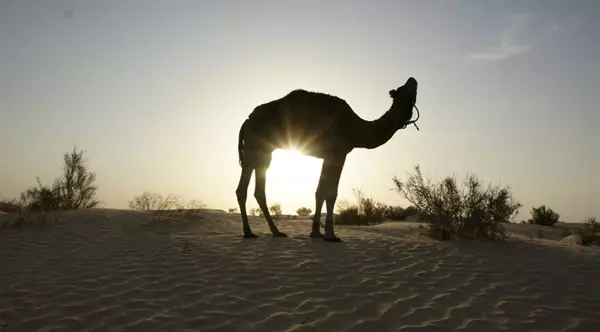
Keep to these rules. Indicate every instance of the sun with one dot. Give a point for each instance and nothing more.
(292, 174)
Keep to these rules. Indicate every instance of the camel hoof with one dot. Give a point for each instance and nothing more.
(279, 234)
(331, 238)
(250, 236)
(316, 235)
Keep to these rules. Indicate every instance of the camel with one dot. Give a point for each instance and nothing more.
(318, 125)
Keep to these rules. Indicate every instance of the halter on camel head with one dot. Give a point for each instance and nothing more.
(404, 97)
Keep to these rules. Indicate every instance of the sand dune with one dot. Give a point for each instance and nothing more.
(109, 270)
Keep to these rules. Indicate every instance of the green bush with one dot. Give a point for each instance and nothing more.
(474, 212)
(544, 216)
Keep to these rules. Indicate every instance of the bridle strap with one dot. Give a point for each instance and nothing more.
(413, 122)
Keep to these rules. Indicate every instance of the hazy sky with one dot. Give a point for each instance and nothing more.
(156, 91)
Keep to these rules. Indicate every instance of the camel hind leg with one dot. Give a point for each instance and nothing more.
(259, 191)
(242, 193)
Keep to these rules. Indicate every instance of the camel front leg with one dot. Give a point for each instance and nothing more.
(261, 198)
(328, 188)
(316, 222)
(241, 193)
(319, 200)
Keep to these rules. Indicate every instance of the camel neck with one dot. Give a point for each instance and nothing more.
(377, 132)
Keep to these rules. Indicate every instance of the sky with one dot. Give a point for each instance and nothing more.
(155, 92)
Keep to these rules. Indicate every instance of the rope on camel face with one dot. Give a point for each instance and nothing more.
(413, 122)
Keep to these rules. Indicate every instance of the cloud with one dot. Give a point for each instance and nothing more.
(509, 44)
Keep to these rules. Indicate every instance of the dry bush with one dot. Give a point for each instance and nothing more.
(276, 211)
(74, 189)
(165, 207)
(232, 210)
(24, 215)
(9, 205)
(303, 211)
(472, 212)
(544, 216)
(396, 213)
(590, 232)
(591, 225)
(366, 212)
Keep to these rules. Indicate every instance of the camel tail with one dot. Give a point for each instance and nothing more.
(241, 143)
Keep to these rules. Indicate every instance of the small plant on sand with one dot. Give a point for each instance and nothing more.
(472, 212)
(592, 226)
(590, 232)
(276, 210)
(366, 212)
(192, 208)
(544, 216)
(26, 216)
(165, 207)
(396, 213)
(9, 205)
(303, 212)
(232, 210)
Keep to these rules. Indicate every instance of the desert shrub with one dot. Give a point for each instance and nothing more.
(256, 212)
(396, 213)
(472, 212)
(275, 210)
(589, 232)
(591, 225)
(164, 207)
(544, 216)
(75, 189)
(303, 211)
(366, 212)
(23, 214)
(149, 201)
(9, 205)
(411, 210)
(232, 210)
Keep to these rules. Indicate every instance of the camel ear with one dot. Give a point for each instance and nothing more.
(392, 93)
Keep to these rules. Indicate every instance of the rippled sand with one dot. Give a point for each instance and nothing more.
(109, 270)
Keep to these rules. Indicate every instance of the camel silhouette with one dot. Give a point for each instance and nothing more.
(318, 125)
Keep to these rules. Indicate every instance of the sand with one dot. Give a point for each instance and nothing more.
(109, 270)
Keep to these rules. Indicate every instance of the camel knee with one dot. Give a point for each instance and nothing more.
(260, 196)
(241, 195)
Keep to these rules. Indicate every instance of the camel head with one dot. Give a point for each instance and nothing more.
(404, 98)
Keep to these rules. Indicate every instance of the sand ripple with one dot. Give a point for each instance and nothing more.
(104, 270)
